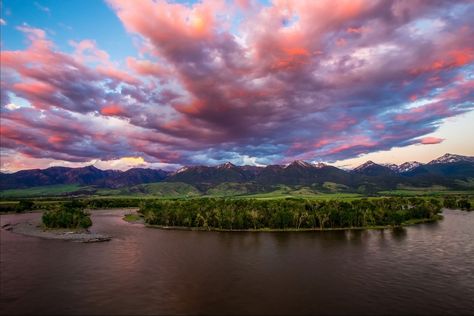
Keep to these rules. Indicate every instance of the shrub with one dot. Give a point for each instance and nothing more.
(464, 204)
(24, 205)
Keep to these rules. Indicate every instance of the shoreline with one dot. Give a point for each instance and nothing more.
(33, 228)
(276, 230)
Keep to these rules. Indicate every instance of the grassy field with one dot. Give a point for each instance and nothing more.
(284, 191)
(429, 191)
(47, 190)
(229, 189)
(159, 189)
(422, 193)
(178, 190)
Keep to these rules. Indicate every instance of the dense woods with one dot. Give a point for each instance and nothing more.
(68, 215)
(210, 213)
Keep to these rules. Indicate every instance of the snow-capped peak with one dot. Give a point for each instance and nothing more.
(320, 165)
(300, 163)
(226, 165)
(408, 166)
(391, 166)
(365, 165)
(450, 158)
(182, 169)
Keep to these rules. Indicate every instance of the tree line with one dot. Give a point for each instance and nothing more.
(457, 202)
(26, 205)
(291, 213)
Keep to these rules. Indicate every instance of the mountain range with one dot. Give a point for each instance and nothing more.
(451, 171)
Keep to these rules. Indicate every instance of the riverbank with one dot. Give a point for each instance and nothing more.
(34, 228)
(271, 230)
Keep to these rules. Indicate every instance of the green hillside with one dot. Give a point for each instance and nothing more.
(41, 191)
(167, 189)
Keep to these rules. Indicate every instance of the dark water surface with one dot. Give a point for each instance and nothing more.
(424, 269)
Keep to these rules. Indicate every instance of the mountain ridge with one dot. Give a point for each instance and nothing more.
(444, 171)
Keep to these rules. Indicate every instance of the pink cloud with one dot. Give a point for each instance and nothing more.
(87, 51)
(36, 88)
(431, 140)
(356, 30)
(112, 110)
(147, 68)
(119, 75)
(56, 139)
(429, 112)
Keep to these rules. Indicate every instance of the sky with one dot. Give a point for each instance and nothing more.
(162, 84)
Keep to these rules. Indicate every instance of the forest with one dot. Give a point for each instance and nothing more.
(242, 214)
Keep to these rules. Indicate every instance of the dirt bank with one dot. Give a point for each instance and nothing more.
(34, 228)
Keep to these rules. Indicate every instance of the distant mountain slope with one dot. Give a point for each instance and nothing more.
(164, 189)
(89, 175)
(458, 169)
(212, 175)
(135, 176)
(451, 158)
(408, 166)
(375, 170)
(302, 173)
(449, 170)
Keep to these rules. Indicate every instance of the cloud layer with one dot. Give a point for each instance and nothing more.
(244, 82)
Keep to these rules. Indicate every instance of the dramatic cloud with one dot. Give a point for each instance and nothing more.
(431, 140)
(245, 82)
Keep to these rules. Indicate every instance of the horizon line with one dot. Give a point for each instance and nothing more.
(313, 163)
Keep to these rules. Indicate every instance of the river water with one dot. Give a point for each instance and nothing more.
(424, 269)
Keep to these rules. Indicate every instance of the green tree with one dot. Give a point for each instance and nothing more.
(69, 215)
(24, 206)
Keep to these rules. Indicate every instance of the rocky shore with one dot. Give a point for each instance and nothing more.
(35, 229)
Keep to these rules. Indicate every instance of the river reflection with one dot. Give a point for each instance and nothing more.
(152, 271)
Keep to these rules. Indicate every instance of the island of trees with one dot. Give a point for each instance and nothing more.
(67, 215)
(254, 214)
(283, 214)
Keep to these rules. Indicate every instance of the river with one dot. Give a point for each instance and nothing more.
(423, 269)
